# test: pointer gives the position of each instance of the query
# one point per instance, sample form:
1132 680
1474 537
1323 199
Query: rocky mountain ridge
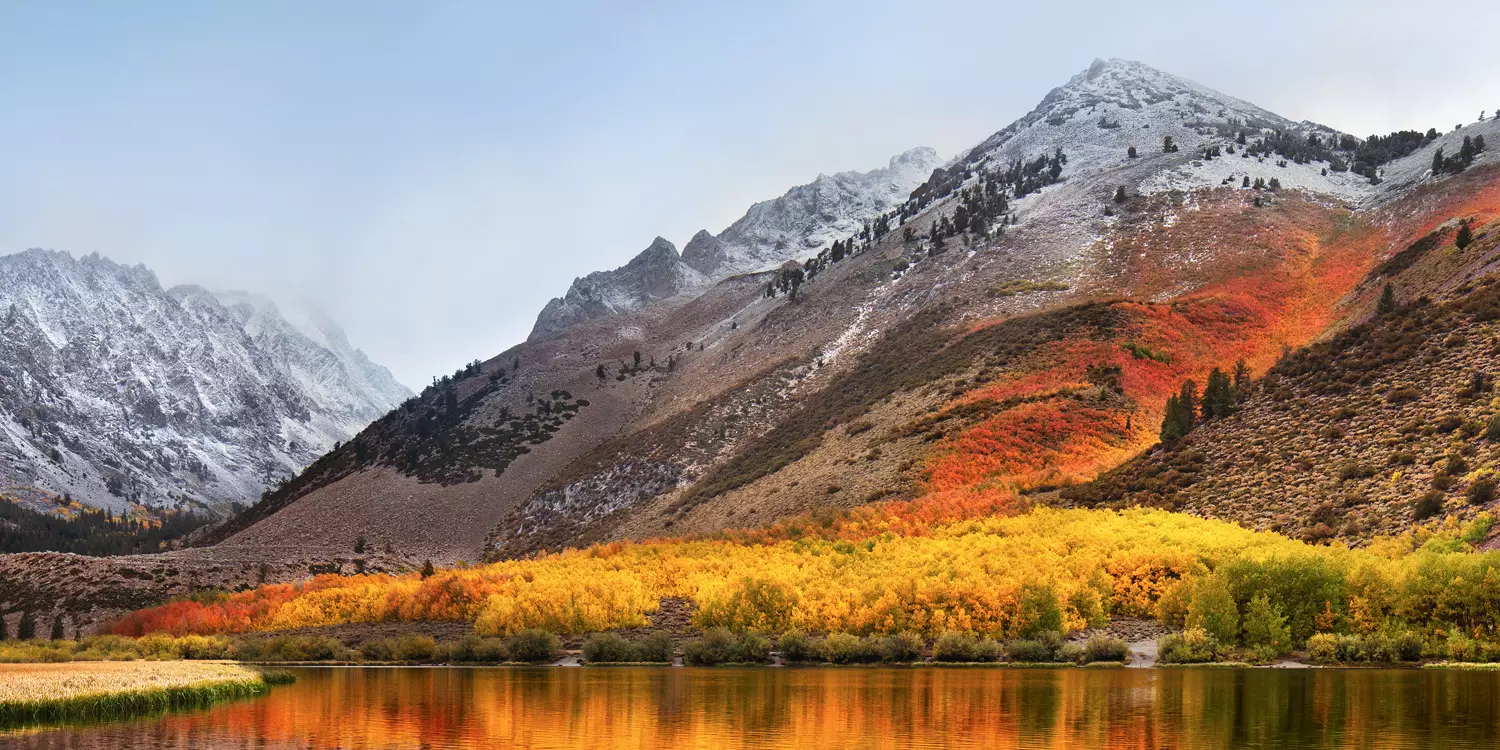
806 219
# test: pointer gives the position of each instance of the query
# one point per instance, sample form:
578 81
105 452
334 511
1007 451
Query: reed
79 691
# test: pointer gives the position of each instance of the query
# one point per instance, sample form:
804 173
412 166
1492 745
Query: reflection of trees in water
727 709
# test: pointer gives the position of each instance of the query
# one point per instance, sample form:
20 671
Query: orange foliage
1270 279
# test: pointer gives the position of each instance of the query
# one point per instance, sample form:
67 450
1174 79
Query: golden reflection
728 709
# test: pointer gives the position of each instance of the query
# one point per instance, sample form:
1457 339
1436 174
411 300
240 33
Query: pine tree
1188 402
1437 161
1465 235
1246 183
1387 303
1120 196
1131 152
1218 395
600 372
427 569
4 635
1242 382
57 628
26 628
1167 145
1171 423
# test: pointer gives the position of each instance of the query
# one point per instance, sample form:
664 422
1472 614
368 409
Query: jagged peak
659 250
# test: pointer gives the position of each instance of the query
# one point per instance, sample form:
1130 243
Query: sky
431 173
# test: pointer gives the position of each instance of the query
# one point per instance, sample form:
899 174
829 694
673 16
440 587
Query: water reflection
829 708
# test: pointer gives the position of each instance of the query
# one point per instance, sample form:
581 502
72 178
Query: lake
724 709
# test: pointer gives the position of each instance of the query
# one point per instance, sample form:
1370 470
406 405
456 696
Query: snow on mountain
115 390
794 226
657 274
809 217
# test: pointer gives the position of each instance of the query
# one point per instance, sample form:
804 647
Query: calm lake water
725 709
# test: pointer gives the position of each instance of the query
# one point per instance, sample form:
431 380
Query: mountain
655 276
808 218
1001 337
120 393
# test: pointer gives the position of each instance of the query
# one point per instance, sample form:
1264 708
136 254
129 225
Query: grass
67 691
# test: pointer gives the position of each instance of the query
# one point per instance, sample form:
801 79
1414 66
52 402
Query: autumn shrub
609 647
1191 646
109 648
204 647
533 646
158 646
1104 648
796 646
963 647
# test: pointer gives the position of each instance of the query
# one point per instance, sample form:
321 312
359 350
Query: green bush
901 648
533 646
795 646
1028 650
1427 505
656 647
1070 653
290 648
719 646
1350 648
1322 648
479 650
1104 648
842 648
962 647
1481 491
378 649
1213 610
1266 632
1191 646
1462 648
605 648
1039 611
418 648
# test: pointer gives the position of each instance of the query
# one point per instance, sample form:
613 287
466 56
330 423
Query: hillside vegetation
1001 576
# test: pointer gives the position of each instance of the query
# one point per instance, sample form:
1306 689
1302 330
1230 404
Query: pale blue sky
432 173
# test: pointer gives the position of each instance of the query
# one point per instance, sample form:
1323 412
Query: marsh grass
32 693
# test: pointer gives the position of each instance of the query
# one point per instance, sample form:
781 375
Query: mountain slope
1385 423
1016 322
118 392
